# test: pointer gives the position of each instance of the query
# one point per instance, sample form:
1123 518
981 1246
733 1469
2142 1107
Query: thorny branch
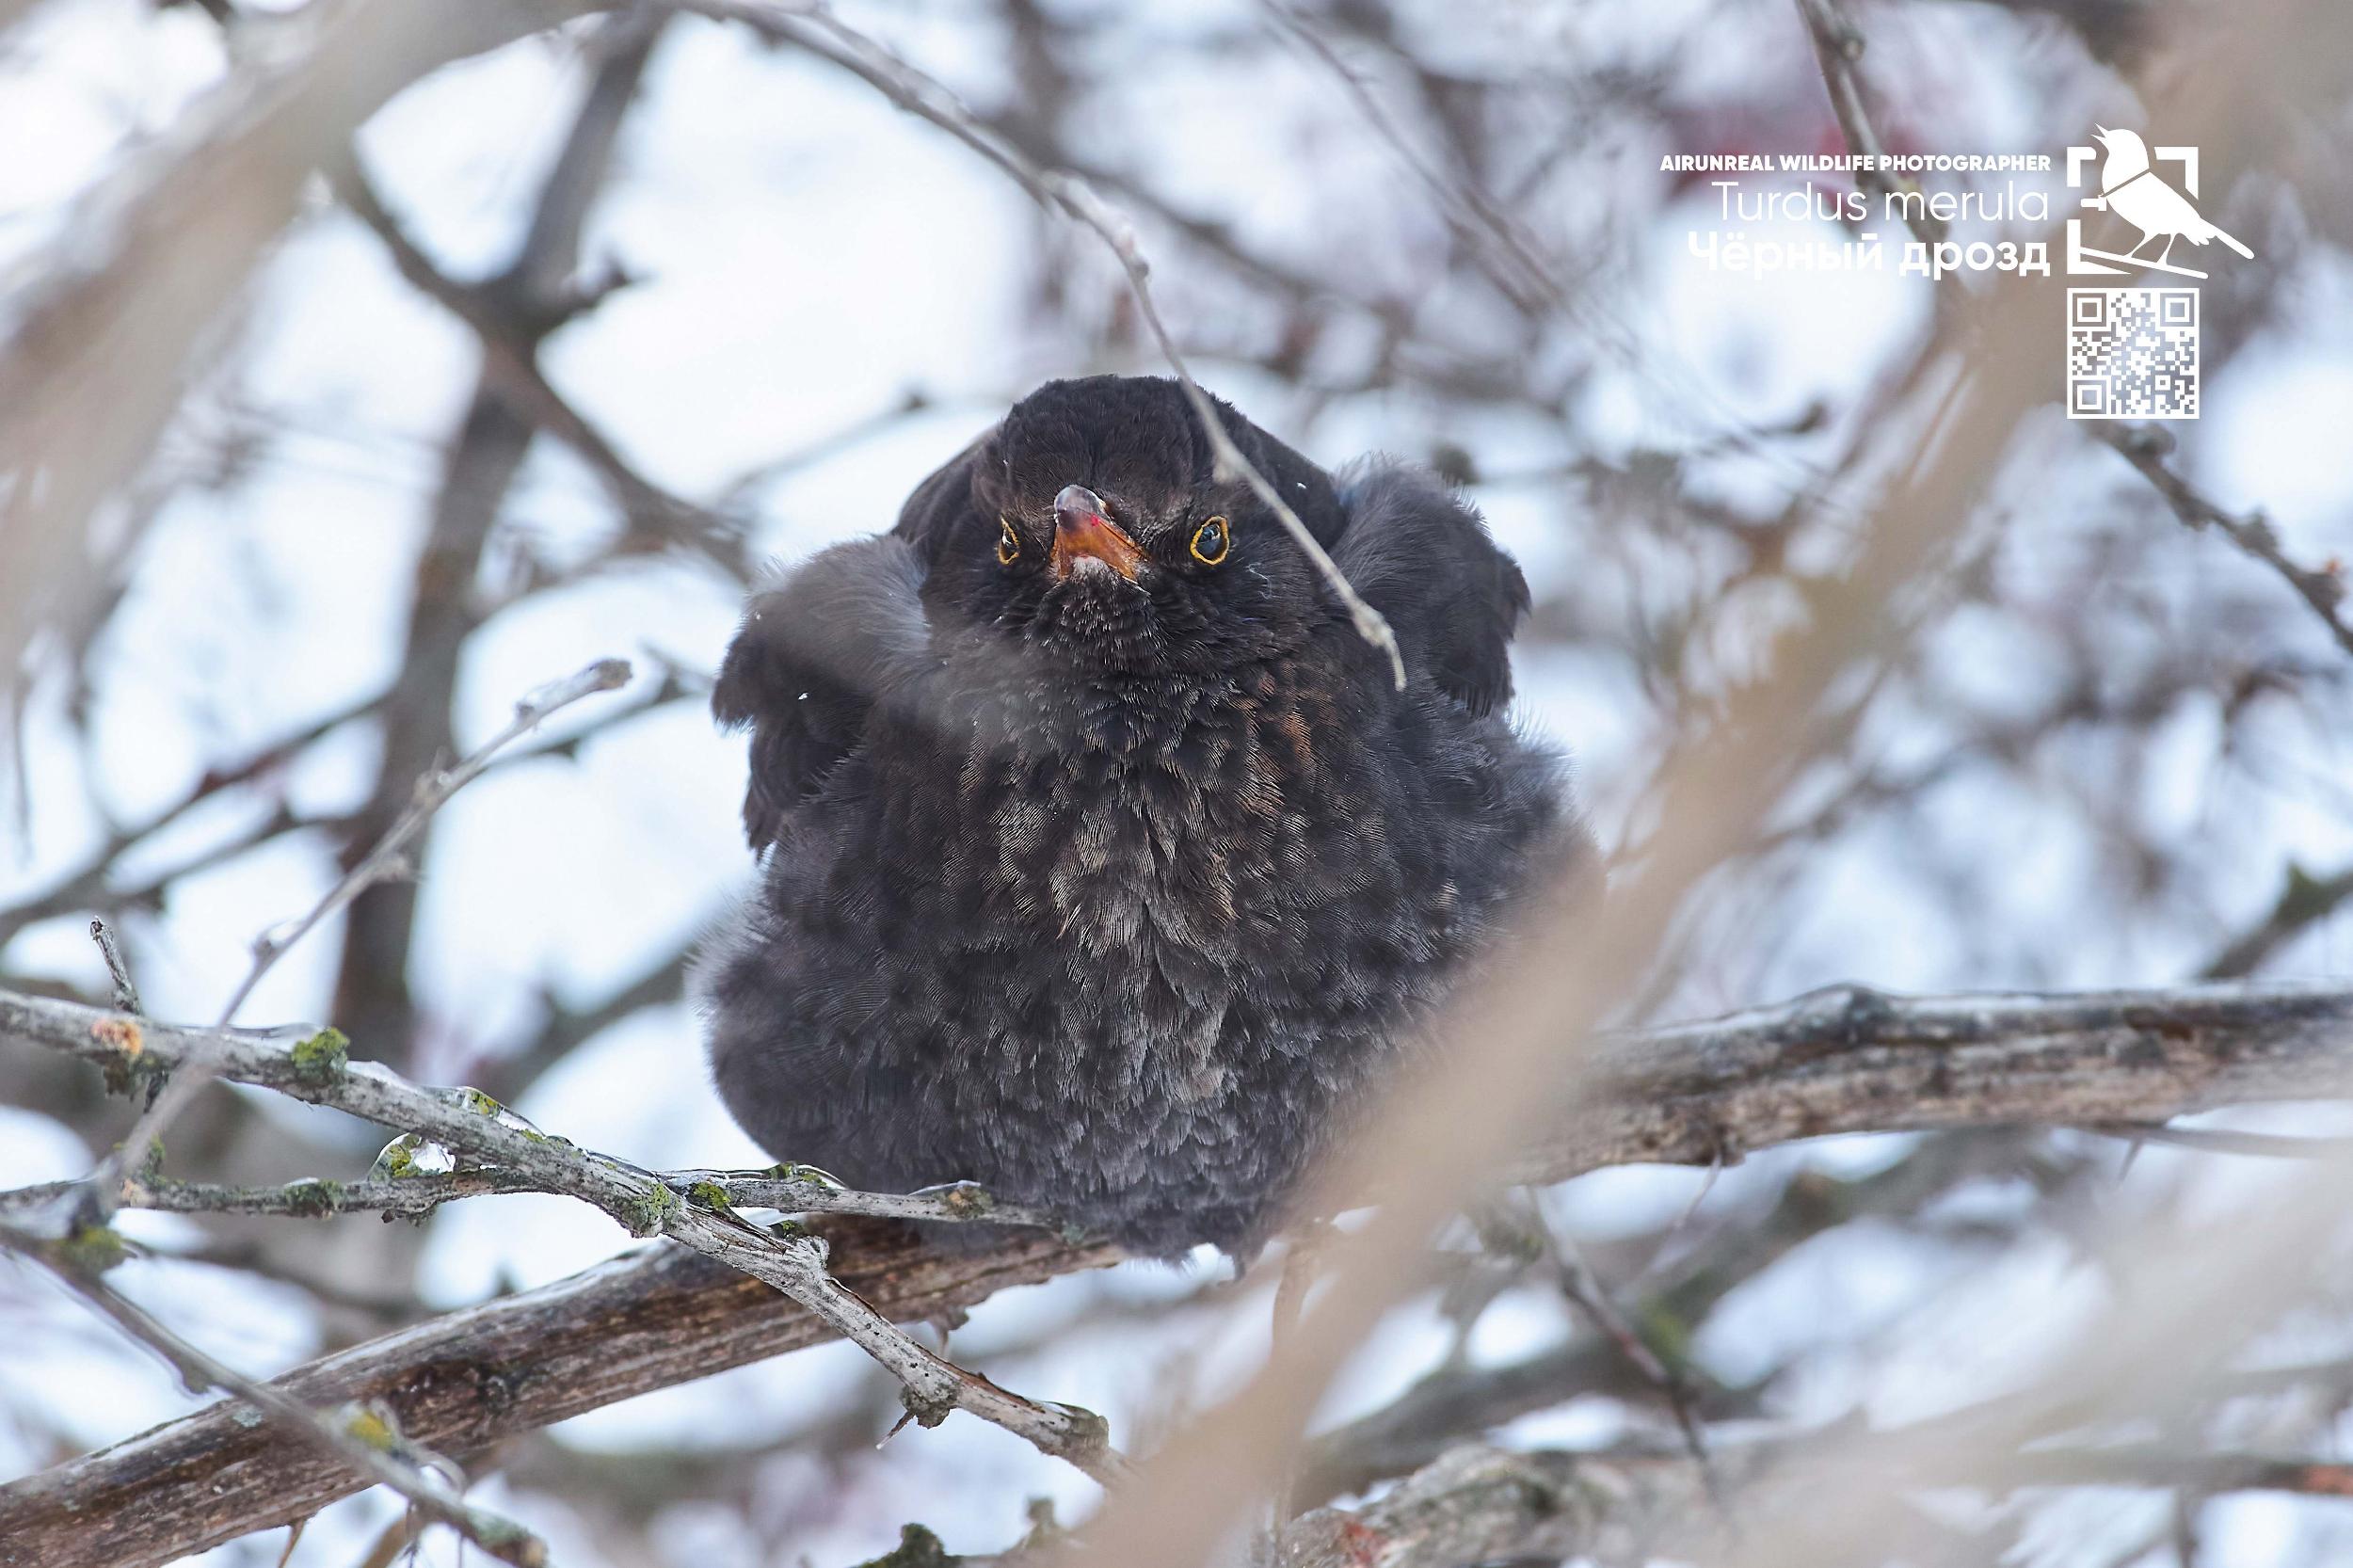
1527 275
126 991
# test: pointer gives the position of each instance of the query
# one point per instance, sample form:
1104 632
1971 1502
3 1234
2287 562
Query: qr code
2132 353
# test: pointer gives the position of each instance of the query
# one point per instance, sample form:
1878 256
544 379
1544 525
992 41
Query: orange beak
1081 532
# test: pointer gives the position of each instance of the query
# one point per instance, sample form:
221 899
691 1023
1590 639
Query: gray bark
1844 1060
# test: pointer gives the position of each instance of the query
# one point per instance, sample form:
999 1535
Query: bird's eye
1008 543
1211 541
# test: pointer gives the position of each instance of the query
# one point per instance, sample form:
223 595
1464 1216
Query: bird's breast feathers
1138 830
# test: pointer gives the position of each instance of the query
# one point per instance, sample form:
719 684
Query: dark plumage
1097 873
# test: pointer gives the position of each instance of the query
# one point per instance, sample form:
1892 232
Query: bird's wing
1422 557
2157 208
940 501
817 649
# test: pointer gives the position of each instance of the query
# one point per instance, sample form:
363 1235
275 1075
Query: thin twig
313 1066
813 27
1460 1399
511 358
1837 47
1291 1289
1831 1063
126 996
362 1441
2304 900
802 1190
382 861
85 887
786 1189
1531 281
2215 1140
2146 446
1585 1290
1518 266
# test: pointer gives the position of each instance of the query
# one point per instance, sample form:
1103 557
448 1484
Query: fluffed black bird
1104 863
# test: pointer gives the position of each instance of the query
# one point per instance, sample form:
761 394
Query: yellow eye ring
1211 540
1008 543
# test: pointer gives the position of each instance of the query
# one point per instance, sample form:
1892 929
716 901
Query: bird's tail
2233 244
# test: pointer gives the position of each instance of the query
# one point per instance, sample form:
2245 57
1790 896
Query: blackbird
1104 863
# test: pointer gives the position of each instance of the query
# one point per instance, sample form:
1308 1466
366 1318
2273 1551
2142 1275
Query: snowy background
2113 746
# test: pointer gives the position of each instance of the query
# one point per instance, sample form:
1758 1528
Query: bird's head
2126 145
1091 527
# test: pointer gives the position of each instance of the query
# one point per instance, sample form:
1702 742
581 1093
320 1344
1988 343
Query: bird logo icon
2131 187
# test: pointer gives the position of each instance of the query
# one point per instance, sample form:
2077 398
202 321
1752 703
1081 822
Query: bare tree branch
1851 1058
567 1028
2305 901
1585 1290
512 314
2146 446
1848 1061
359 1440
511 365
382 861
1838 46
385 860
462 1382
813 27
94 367
414 1194
1749 634
317 1070
1460 1400
1511 257
87 885
1478 1504
1481 1505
